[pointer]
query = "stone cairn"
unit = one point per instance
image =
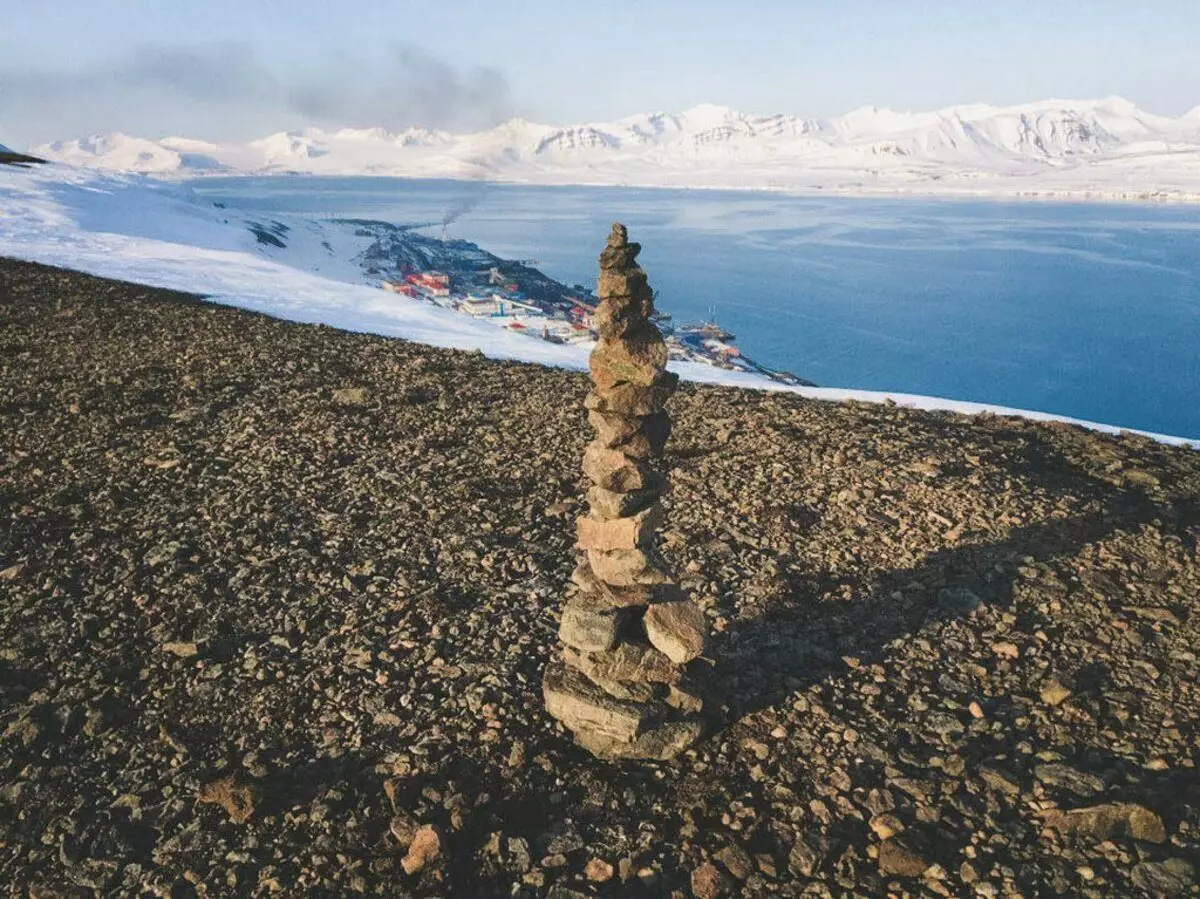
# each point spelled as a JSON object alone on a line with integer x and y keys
{"x": 628, "y": 630}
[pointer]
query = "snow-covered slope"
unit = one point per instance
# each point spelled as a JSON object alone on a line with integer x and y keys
{"x": 1106, "y": 148}
{"x": 148, "y": 231}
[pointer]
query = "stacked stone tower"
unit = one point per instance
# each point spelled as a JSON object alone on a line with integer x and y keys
{"x": 628, "y": 631}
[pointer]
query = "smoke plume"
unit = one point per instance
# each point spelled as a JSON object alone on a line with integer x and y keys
{"x": 223, "y": 91}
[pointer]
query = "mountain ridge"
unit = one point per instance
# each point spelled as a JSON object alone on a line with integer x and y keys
{"x": 1110, "y": 141}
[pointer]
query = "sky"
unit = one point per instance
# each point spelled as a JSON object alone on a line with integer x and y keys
{"x": 238, "y": 69}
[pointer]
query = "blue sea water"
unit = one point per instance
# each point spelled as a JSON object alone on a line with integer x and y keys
{"x": 1084, "y": 309}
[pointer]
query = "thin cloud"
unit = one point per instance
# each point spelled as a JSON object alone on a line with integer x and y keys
{"x": 224, "y": 91}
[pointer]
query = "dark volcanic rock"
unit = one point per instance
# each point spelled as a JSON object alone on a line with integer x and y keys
{"x": 371, "y": 591}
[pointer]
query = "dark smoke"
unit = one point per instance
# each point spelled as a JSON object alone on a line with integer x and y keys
{"x": 477, "y": 190}
{"x": 222, "y": 91}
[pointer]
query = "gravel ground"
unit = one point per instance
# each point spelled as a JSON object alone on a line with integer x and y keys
{"x": 274, "y": 597}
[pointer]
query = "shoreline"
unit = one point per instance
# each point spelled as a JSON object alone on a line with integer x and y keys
{"x": 1049, "y": 196}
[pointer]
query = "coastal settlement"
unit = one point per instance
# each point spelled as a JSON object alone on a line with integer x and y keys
{"x": 459, "y": 275}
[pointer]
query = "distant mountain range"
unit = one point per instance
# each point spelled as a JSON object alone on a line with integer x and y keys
{"x": 1098, "y": 147}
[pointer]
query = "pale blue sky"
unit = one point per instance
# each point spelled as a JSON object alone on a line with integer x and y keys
{"x": 241, "y": 68}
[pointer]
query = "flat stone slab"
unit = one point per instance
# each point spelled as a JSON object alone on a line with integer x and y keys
{"x": 626, "y": 662}
{"x": 632, "y": 399}
{"x": 626, "y": 568}
{"x": 585, "y": 708}
{"x": 598, "y": 596}
{"x": 618, "y": 533}
{"x": 661, "y": 741}
{"x": 611, "y": 504}
{"x": 632, "y": 433}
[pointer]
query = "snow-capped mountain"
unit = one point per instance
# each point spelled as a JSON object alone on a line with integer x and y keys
{"x": 1105, "y": 147}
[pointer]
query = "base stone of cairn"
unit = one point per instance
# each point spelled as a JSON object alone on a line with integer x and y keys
{"x": 628, "y": 630}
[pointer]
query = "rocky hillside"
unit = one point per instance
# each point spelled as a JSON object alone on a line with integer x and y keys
{"x": 275, "y": 602}
{"x": 12, "y": 158}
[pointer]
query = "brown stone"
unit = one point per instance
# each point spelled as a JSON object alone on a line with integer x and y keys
{"x": 183, "y": 650}
{"x": 403, "y": 828}
{"x": 619, "y": 253}
{"x": 651, "y": 440}
{"x": 626, "y": 662}
{"x": 640, "y": 436}
{"x": 588, "y": 629}
{"x": 1054, "y": 692}
{"x": 1106, "y": 822}
{"x": 598, "y": 596}
{"x": 585, "y": 708}
{"x": 662, "y": 741}
{"x": 611, "y": 504}
{"x": 615, "y": 258}
{"x": 425, "y": 848}
{"x": 685, "y": 698}
{"x": 632, "y": 399}
{"x": 235, "y": 797}
{"x": 613, "y": 430}
{"x": 618, "y": 533}
{"x": 627, "y": 691}
{"x": 619, "y": 319}
{"x": 736, "y": 860}
{"x": 629, "y": 282}
{"x": 644, "y": 594}
{"x": 613, "y": 470}
{"x": 709, "y": 882}
{"x": 584, "y": 578}
{"x": 677, "y": 629}
{"x": 598, "y": 870}
{"x": 351, "y": 396}
{"x": 897, "y": 859}
{"x": 634, "y": 359}
{"x": 626, "y": 568}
